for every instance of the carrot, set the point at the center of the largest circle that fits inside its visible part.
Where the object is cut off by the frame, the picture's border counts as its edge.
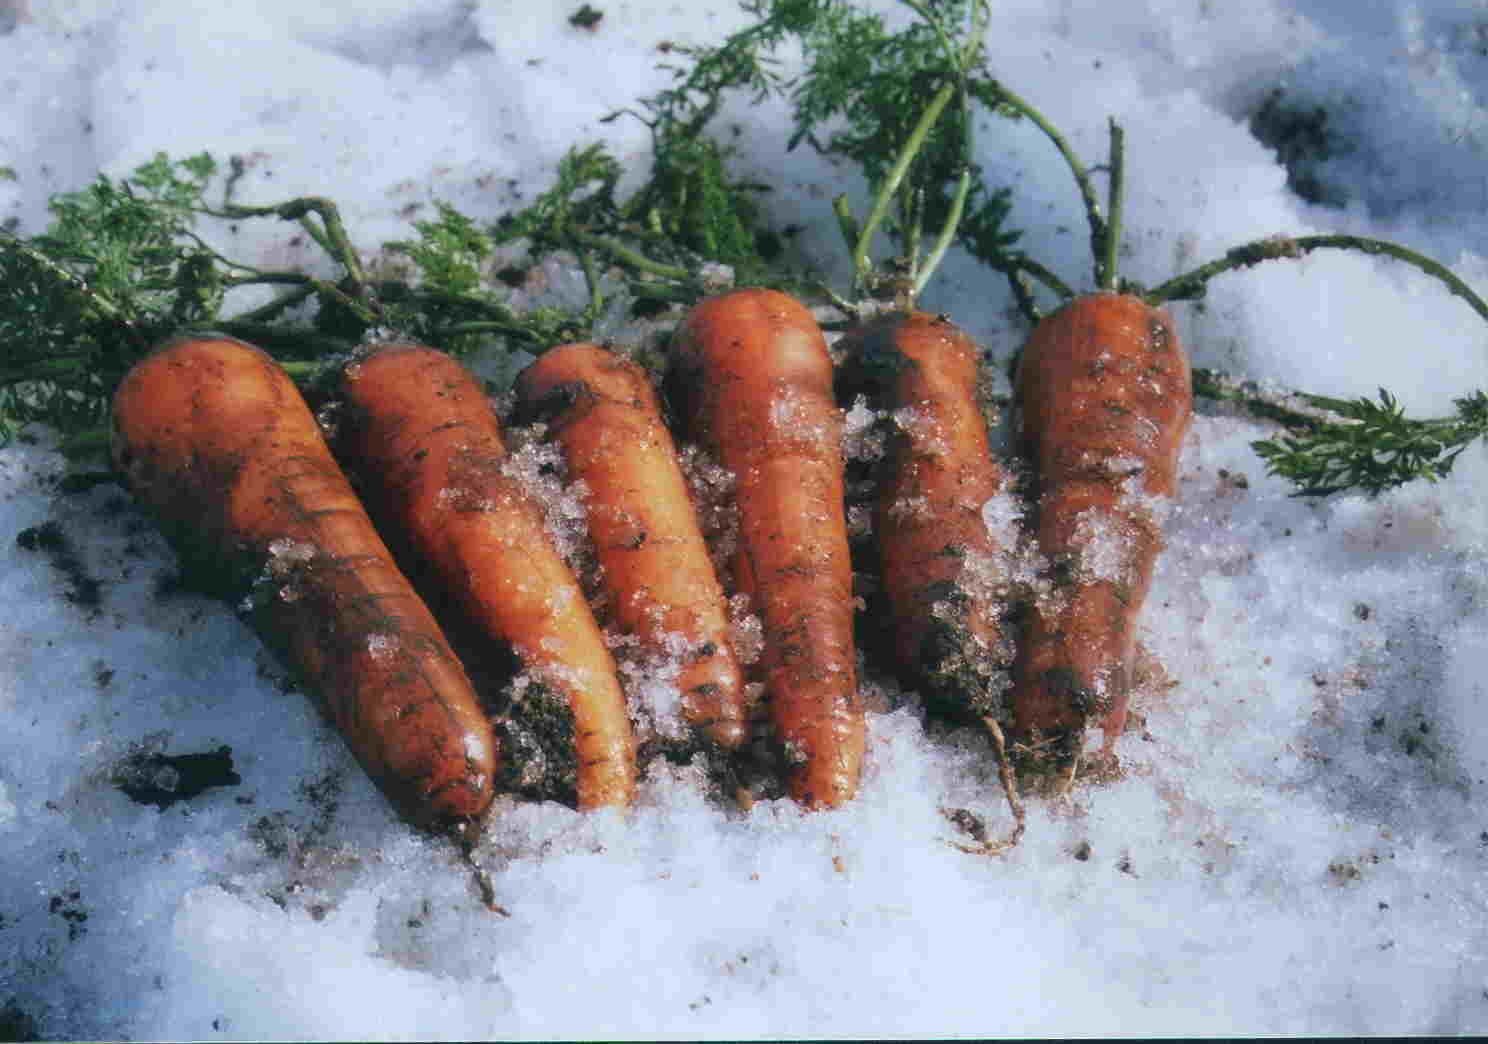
(1104, 397)
(603, 411)
(753, 380)
(939, 562)
(217, 443)
(421, 435)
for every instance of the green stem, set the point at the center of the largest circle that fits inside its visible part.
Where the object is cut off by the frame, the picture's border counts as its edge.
(278, 306)
(911, 221)
(591, 279)
(300, 370)
(895, 178)
(330, 234)
(81, 443)
(633, 258)
(511, 329)
(947, 235)
(663, 292)
(1108, 261)
(1192, 285)
(1081, 174)
(269, 337)
(846, 307)
(1023, 295)
(1277, 406)
(947, 44)
(846, 223)
(1026, 264)
(962, 59)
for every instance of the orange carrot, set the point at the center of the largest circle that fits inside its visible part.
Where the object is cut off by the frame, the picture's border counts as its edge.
(218, 444)
(940, 563)
(1104, 398)
(421, 435)
(753, 380)
(602, 410)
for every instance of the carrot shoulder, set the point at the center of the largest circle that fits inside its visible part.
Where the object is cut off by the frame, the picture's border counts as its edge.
(603, 412)
(422, 436)
(753, 378)
(942, 568)
(216, 441)
(1104, 395)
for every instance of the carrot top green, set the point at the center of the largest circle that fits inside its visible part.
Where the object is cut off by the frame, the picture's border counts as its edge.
(127, 262)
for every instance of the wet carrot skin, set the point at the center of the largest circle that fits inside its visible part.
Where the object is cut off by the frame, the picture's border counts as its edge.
(938, 473)
(603, 411)
(752, 379)
(1104, 394)
(217, 443)
(420, 432)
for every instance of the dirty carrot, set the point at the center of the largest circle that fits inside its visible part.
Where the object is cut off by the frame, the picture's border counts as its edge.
(1104, 397)
(943, 562)
(420, 434)
(939, 560)
(752, 380)
(602, 410)
(215, 441)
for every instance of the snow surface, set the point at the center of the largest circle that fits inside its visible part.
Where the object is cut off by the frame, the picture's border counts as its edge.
(1299, 843)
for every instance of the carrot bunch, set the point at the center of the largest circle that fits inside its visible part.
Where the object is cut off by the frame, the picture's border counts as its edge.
(215, 440)
(421, 435)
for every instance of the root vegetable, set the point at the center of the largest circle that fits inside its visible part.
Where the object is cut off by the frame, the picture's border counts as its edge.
(940, 563)
(422, 436)
(1104, 398)
(603, 411)
(217, 443)
(753, 381)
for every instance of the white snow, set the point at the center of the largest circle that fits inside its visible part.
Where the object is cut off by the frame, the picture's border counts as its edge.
(1299, 843)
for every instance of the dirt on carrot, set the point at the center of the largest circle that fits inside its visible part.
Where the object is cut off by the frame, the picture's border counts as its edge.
(751, 378)
(944, 570)
(1104, 399)
(603, 411)
(216, 442)
(422, 437)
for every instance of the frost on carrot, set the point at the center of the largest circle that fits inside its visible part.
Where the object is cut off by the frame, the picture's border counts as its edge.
(662, 590)
(752, 380)
(943, 568)
(1104, 398)
(215, 440)
(424, 441)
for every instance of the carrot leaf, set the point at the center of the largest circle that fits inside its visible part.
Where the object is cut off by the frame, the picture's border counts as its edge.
(1373, 446)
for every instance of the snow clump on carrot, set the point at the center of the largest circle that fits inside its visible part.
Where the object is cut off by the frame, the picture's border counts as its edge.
(601, 411)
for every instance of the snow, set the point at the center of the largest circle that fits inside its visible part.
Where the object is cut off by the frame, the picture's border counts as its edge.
(1298, 844)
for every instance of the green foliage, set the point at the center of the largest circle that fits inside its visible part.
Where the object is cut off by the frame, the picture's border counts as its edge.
(117, 267)
(121, 266)
(450, 302)
(1375, 447)
(871, 86)
(130, 241)
(691, 201)
(49, 344)
(582, 198)
(449, 252)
